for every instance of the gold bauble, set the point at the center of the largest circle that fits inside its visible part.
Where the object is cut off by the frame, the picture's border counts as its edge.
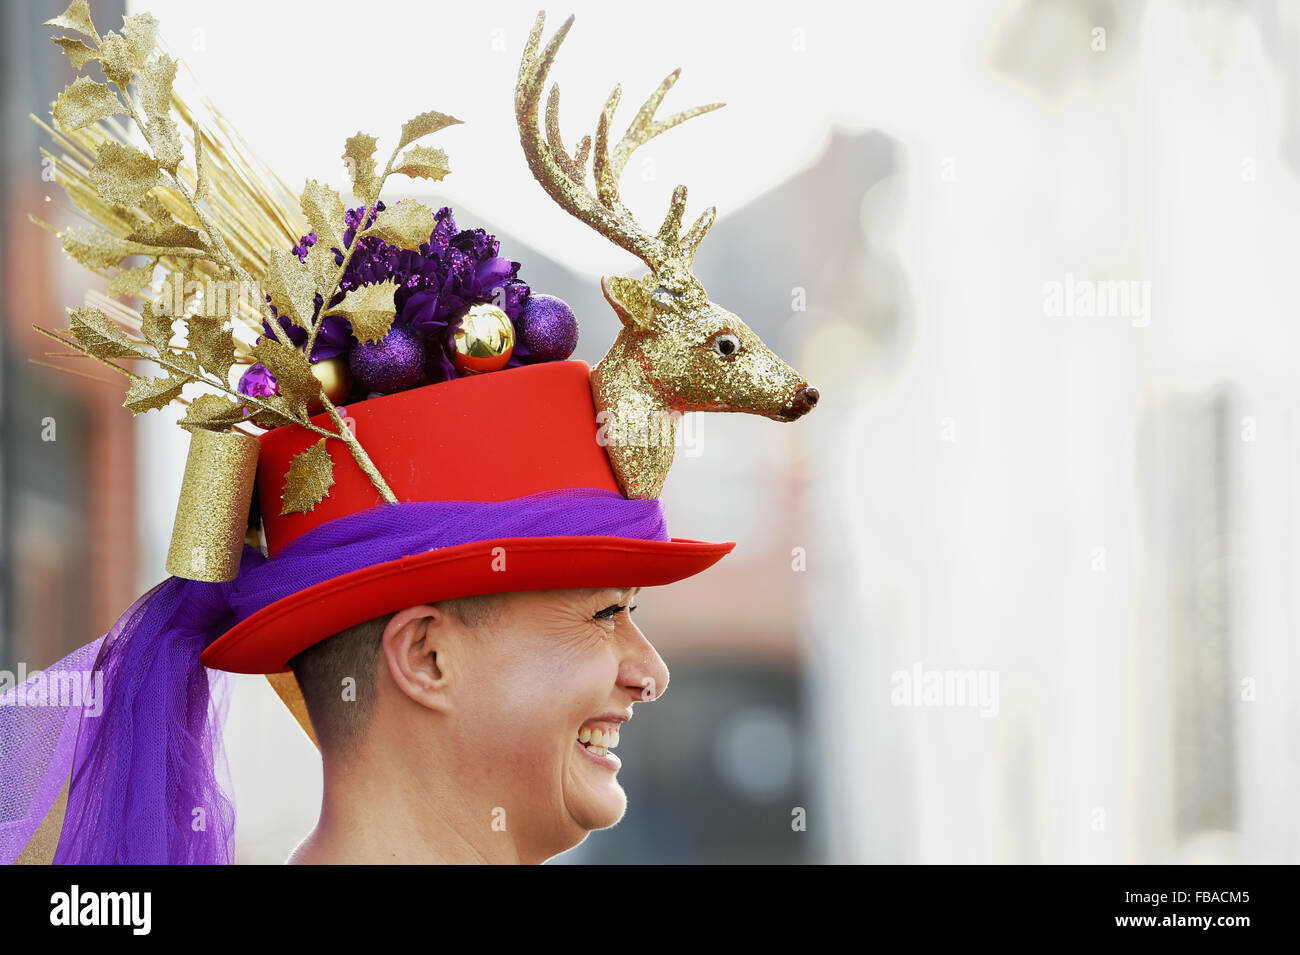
(335, 381)
(485, 339)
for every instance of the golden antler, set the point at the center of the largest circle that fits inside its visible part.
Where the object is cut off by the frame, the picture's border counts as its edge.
(564, 177)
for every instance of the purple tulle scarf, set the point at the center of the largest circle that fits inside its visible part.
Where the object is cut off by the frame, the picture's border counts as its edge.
(132, 722)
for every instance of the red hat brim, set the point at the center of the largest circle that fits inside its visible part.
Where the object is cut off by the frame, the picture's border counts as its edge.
(266, 641)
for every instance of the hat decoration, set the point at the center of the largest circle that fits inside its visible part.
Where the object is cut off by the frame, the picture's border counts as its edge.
(401, 282)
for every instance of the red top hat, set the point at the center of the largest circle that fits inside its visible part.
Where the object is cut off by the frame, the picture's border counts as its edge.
(463, 439)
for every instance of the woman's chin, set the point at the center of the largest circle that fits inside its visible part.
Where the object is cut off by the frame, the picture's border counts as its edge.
(595, 802)
(600, 810)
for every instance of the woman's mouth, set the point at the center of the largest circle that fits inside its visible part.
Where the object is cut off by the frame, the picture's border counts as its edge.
(596, 741)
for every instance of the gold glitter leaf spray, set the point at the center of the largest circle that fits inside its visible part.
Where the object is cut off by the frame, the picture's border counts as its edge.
(677, 351)
(223, 219)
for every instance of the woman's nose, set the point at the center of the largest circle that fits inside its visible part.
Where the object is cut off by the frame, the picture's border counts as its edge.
(646, 671)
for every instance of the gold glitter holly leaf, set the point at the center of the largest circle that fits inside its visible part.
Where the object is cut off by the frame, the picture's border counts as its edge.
(155, 209)
(98, 249)
(84, 102)
(308, 481)
(323, 208)
(131, 282)
(123, 175)
(290, 285)
(154, 84)
(99, 336)
(274, 412)
(76, 17)
(292, 373)
(124, 54)
(212, 413)
(102, 337)
(418, 162)
(153, 394)
(173, 238)
(156, 326)
(323, 270)
(77, 51)
(407, 224)
(359, 157)
(370, 309)
(212, 343)
(210, 347)
(94, 248)
(423, 125)
(163, 136)
(424, 162)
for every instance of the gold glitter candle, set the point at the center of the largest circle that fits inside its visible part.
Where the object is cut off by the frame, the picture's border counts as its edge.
(212, 514)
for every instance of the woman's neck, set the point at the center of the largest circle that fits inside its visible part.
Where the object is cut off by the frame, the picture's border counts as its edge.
(375, 810)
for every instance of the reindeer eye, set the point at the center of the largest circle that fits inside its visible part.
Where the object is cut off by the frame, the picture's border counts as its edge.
(726, 345)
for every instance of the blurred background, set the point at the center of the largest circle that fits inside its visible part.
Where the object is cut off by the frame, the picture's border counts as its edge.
(1021, 589)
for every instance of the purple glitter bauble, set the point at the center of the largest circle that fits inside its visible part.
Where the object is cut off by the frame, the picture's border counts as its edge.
(257, 382)
(394, 363)
(548, 328)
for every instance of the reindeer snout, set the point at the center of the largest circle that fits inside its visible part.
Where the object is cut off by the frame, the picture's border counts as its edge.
(805, 399)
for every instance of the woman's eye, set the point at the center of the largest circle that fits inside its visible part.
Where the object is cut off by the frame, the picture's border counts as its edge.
(610, 612)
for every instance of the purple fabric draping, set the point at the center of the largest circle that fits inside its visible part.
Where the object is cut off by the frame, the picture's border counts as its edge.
(134, 720)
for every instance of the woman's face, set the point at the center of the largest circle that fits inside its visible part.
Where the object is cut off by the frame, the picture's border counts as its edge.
(550, 685)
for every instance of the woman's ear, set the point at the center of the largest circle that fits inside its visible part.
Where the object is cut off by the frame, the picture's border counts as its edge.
(419, 645)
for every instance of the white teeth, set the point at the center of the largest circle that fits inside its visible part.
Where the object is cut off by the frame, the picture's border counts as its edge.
(598, 750)
(598, 739)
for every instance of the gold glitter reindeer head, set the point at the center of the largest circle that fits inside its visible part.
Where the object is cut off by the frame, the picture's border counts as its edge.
(677, 351)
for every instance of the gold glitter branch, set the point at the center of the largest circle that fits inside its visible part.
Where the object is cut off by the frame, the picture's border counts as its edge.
(144, 203)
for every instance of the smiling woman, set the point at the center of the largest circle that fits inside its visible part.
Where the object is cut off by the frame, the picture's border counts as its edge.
(467, 654)
(435, 554)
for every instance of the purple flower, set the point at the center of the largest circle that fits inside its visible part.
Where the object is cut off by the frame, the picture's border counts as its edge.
(334, 337)
(436, 283)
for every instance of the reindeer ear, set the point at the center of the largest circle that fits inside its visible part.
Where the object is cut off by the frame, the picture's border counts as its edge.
(630, 299)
